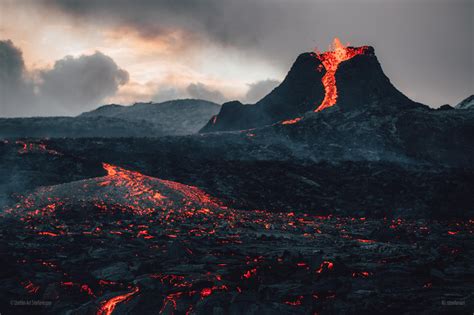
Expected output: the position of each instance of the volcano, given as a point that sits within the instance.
(346, 77)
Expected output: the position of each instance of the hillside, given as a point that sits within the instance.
(179, 117)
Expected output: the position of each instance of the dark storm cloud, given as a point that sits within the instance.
(154, 17)
(202, 91)
(259, 89)
(78, 83)
(425, 46)
(16, 90)
(73, 85)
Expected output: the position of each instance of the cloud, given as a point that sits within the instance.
(259, 89)
(166, 93)
(77, 84)
(412, 49)
(71, 86)
(224, 23)
(16, 90)
(202, 91)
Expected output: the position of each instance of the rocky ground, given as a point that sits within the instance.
(129, 243)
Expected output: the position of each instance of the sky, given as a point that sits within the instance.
(64, 57)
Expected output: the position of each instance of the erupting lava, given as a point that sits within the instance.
(331, 60)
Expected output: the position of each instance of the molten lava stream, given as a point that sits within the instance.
(331, 60)
(109, 306)
(291, 121)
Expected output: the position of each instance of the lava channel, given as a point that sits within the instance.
(109, 306)
(331, 60)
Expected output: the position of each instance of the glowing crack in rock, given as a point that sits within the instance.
(109, 306)
(29, 147)
(291, 121)
(331, 60)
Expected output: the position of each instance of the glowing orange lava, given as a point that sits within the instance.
(291, 121)
(142, 188)
(331, 60)
(109, 306)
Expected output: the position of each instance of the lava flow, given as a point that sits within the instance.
(109, 306)
(331, 60)
(291, 121)
(130, 243)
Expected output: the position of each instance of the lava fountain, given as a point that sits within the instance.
(331, 60)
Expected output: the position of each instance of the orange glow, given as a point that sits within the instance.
(30, 287)
(325, 265)
(139, 187)
(109, 306)
(48, 233)
(291, 121)
(331, 60)
(206, 292)
(365, 241)
(250, 273)
(111, 170)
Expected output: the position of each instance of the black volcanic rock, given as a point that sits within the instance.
(300, 92)
(361, 82)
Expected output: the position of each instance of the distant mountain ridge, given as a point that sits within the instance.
(177, 117)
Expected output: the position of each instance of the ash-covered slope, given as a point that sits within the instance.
(180, 117)
(123, 189)
(347, 77)
(361, 82)
(177, 117)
